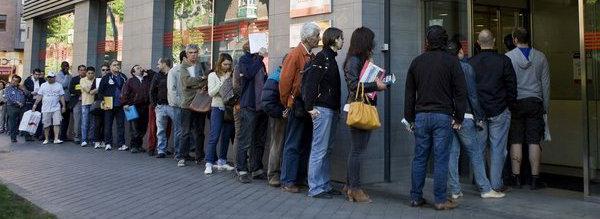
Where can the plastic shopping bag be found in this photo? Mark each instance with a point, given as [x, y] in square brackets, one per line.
[30, 121]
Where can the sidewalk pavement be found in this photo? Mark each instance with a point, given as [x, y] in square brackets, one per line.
[75, 182]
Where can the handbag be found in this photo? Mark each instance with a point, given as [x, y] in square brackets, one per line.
[362, 115]
[201, 101]
[30, 121]
[228, 115]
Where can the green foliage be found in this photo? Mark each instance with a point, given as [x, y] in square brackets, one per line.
[58, 29]
[118, 8]
[13, 207]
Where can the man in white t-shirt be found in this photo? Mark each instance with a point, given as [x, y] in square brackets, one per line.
[51, 94]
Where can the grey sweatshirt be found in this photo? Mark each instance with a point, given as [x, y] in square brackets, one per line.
[533, 75]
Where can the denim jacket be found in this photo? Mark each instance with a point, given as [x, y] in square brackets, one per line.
[474, 106]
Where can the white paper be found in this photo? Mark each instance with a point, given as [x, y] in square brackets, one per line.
[346, 107]
[258, 41]
[98, 82]
[371, 73]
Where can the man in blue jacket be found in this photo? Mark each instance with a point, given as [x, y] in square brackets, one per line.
[467, 136]
[253, 119]
[111, 85]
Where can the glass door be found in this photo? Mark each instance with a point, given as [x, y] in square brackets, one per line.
[589, 13]
[500, 20]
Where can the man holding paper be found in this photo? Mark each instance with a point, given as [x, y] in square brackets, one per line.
[110, 89]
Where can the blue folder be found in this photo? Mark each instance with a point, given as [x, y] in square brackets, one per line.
[131, 113]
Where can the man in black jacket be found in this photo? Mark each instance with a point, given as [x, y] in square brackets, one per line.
[159, 100]
[497, 89]
[32, 85]
[75, 102]
[435, 103]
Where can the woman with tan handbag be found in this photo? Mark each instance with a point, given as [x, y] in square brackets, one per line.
[361, 50]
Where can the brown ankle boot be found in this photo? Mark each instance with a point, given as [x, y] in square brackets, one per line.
[358, 195]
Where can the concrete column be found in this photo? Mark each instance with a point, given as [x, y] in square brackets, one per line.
[143, 32]
[89, 30]
[35, 46]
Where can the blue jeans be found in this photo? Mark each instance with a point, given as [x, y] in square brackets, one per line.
[178, 133]
[433, 131]
[295, 149]
[468, 137]
[495, 133]
[324, 127]
[85, 121]
[218, 128]
[163, 114]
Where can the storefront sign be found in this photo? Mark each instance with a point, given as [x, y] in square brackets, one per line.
[301, 8]
[295, 30]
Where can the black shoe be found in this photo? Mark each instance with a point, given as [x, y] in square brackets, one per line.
[152, 153]
[536, 183]
[169, 153]
[417, 203]
[244, 178]
[261, 176]
[323, 195]
[135, 150]
[334, 192]
[516, 181]
[77, 142]
[161, 155]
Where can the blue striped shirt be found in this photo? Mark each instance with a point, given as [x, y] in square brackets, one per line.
[14, 95]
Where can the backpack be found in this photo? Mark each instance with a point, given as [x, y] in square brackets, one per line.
[311, 67]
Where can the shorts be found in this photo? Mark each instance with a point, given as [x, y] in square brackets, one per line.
[527, 124]
[51, 118]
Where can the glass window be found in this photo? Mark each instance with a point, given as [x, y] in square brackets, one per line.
[216, 26]
[450, 14]
[193, 24]
[2, 22]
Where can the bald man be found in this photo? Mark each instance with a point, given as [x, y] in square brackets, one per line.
[497, 89]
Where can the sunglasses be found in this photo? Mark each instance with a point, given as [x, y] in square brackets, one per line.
[104, 69]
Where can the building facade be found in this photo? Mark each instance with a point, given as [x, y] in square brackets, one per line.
[566, 30]
[12, 38]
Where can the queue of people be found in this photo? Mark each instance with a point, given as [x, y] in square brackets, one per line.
[451, 102]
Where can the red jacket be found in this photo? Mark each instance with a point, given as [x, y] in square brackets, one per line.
[136, 92]
[291, 75]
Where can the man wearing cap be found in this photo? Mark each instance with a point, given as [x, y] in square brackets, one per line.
[51, 94]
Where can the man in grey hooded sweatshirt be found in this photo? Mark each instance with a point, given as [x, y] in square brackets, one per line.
[533, 100]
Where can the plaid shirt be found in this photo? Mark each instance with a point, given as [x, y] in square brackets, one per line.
[14, 95]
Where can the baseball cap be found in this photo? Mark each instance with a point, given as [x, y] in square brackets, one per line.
[51, 75]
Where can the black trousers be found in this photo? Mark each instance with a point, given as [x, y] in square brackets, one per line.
[192, 130]
[138, 127]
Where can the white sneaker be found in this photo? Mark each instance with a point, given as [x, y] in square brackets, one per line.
[225, 167]
[45, 142]
[83, 144]
[181, 163]
[209, 169]
[457, 196]
[108, 147]
[97, 145]
[58, 141]
[493, 194]
[123, 148]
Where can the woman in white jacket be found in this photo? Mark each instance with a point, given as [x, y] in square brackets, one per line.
[219, 127]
